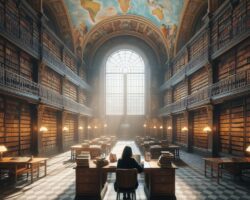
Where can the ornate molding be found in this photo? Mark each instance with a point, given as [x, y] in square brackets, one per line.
[129, 25]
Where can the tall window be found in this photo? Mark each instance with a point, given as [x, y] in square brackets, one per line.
[125, 84]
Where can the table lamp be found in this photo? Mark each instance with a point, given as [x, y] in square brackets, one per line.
[2, 149]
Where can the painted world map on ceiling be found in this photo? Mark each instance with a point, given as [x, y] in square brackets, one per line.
[86, 13]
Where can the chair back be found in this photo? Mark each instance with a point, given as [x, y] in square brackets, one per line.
[126, 178]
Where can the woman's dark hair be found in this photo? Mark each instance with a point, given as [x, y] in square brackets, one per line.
[127, 152]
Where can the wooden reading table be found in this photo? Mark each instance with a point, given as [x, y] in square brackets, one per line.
[236, 164]
[91, 182]
[22, 165]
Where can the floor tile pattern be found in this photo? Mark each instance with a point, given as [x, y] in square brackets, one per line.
[191, 184]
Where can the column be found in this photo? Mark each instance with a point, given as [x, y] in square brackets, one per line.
[189, 131]
[37, 128]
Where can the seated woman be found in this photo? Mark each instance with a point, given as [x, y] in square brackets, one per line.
[127, 162]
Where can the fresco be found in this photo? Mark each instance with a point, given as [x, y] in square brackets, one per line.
[86, 13]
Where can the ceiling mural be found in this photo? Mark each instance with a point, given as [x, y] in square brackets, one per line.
[86, 13]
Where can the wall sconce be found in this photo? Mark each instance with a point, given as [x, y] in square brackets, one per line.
[80, 128]
[207, 129]
[248, 149]
[154, 127]
[161, 127]
[184, 129]
[105, 125]
[43, 129]
[2, 149]
[65, 128]
[144, 125]
[170, 128]
[89, 127]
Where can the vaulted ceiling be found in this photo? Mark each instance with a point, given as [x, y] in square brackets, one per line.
[90, 12]
[163, 24]
[161, 14]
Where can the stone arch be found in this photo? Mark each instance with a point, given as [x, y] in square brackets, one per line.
[129, 25]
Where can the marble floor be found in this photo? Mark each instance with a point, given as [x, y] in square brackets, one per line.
[59, 184]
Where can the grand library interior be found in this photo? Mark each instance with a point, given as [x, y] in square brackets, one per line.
[124, 99]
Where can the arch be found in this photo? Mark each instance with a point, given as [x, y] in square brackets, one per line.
[152, 71]
[191, 10]
[60, 11]
[129, 25]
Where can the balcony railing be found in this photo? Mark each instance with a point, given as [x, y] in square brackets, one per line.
[200, 59]
[229, 87]
[57, 65]
[11, 82]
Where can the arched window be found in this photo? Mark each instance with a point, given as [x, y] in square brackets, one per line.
[125, 84]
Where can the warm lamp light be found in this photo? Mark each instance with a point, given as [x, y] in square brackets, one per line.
[154, 127]
[80, 128]
[65, 128]
[248, 149]
[43, 129]
[207, 129]
[184, 129]
[161, 127]
[169, 128]
[144, 125]
[95, 127]
[105, 125]
[2, 149]
[89, 127]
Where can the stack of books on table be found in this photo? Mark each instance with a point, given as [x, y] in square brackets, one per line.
[82, 159]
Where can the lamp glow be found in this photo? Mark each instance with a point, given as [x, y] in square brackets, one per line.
[43, 129]
[65, 128]
[248, 149]
[144, 125]
[169, 128]
[89, 127]
[184, 129]
[80, 128]
[161, 127]
[2, 149]
[95, 127]
[154, 127]
[207, 129]
[105, 125]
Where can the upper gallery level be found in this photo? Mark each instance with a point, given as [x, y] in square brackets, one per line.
[30, 31]
[206, 56]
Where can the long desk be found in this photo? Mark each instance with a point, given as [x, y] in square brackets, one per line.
[21, 165]
[159, 182]
[236, 164]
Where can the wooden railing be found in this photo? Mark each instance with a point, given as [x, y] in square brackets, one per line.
[233, 85]
[15, 84]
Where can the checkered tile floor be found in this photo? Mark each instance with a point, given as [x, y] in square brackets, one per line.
[191, 184]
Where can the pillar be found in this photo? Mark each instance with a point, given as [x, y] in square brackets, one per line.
[189, 133]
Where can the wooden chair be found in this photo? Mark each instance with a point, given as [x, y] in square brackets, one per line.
[126, 182]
